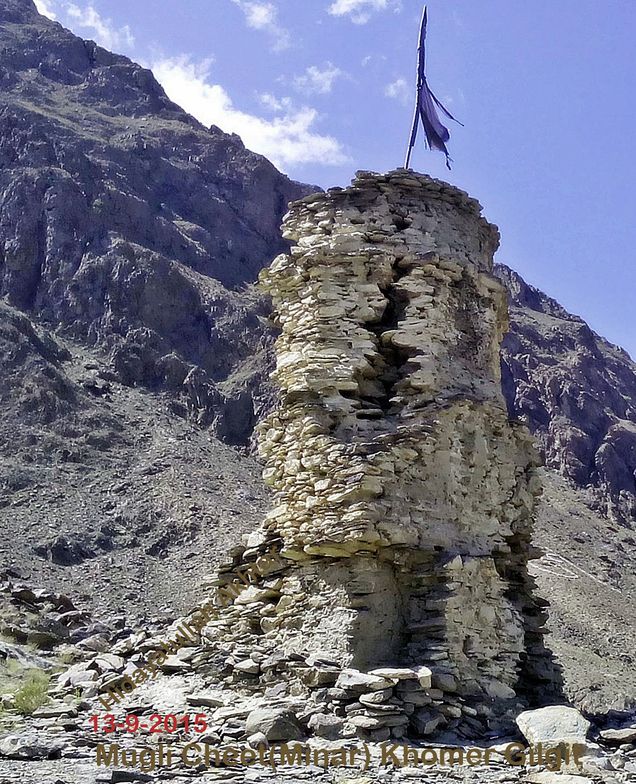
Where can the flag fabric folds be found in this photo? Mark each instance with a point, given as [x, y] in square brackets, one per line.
[426, 106]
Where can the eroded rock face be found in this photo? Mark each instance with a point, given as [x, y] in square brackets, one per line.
[127, 225]
[403, 495]
[577, 394]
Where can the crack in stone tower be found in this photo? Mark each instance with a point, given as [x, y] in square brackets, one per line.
[393, 589]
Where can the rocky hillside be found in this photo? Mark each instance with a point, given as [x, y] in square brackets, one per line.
[577, 392]
[102, 476]
[126, 225]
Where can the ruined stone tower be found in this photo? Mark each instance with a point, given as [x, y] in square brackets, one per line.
[394, 560]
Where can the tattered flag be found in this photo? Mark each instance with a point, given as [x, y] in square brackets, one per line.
[426, 105]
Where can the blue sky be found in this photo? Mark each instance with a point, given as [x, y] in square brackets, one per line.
[323, 87]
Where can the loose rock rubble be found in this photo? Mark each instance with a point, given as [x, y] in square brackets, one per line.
[39, 629]
[41, 618]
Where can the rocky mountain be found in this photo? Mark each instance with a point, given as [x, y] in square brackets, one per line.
[134, 355]
[577, 393]
[128, 226]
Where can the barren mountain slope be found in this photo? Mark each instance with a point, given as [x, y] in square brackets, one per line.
[105, 492]
[576, 392]
[589, 576]
[126, 224]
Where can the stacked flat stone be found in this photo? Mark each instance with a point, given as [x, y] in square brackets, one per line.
[403, 494]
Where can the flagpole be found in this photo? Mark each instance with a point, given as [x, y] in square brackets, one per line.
[416, 114]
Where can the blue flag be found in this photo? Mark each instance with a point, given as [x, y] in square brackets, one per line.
[426, 105]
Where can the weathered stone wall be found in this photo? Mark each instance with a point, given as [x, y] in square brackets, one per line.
[404, 496]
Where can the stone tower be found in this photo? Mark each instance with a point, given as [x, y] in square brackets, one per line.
[394, 560]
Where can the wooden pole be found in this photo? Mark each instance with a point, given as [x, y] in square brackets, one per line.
[418, 92]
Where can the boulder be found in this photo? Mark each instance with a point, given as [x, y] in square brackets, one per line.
[395, 673]
[96, 642]
[444, 681]
[364, 722]
[424, 676]
[47, 632]
[547, 777]
[253, 594]
[354, 680]
[376, 697]
[257, 741]
[207, 699]
[625, 735]
[326, 726]
[321, 676]
[30, 746]
[277, 724]
[175, 664]
[55, 711]
[553, 725]
[425, 722]
[499, 691]
[248, 667]
[108, 662]
[125, 776]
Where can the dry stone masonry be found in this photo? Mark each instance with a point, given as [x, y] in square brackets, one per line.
[388, 587]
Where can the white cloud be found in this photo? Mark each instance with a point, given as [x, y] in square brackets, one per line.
[44, 8]
[263, 15]
[289, 139]
[288, 136]
[372, 59]
[318, 81]
[399, 89]
[103, 30]
[360, 11]
[273, 103]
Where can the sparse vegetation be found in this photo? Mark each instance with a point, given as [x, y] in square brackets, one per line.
[67, 657]
[33, 692]
[12, 667]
